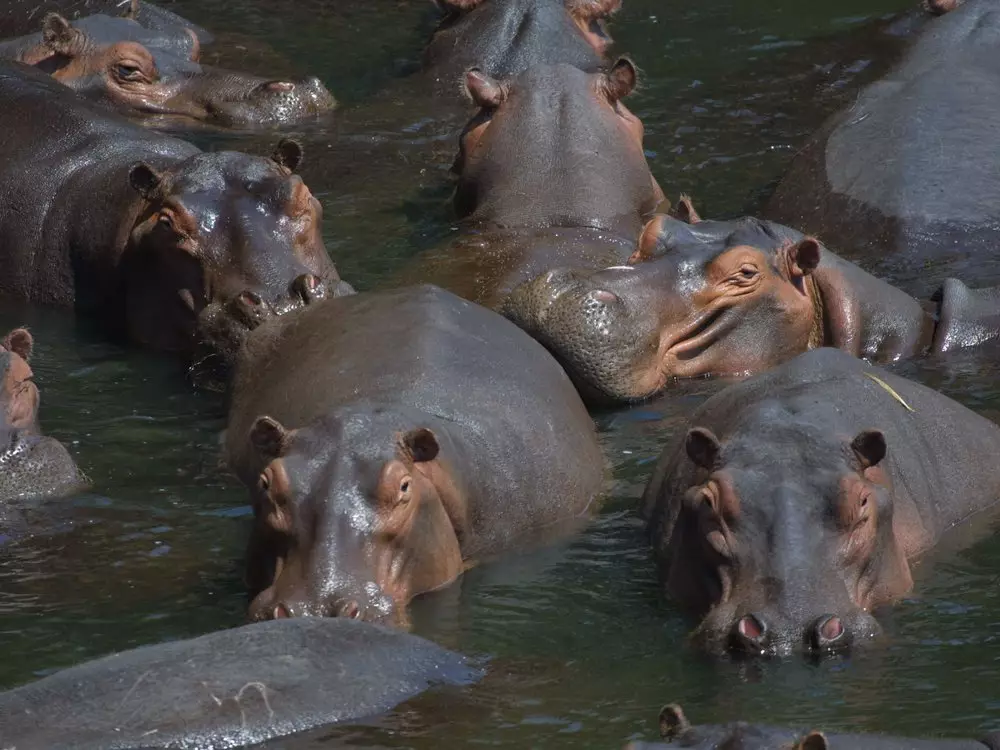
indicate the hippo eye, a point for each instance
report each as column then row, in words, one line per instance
column 747, row 271
column 127, row 71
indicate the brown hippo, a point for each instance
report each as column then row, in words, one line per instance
column 732, row 297
column 151, row 74
column 391, row 440
column 31, row 466
column 790, row 509
column 551, row 171
column 146, row 230
column 503, row 38
column 905, row 179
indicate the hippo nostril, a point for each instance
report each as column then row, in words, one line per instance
column 604, row 297
column 350, row 610
column 309, row 288
column 751, row 628
column 279, row 87
column 828, row 632
column 251, row 299
column 280, row 612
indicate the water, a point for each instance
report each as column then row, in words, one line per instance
column 584, row 649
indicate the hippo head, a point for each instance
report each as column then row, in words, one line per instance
column 355, row 515
column 18, row 393
column 213, row 229
column 147, row 73
column 708, row 298
column 793, row 556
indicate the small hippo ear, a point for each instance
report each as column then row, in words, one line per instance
column 131, row 10
column 59, row 35
column 804, row 256
column 703, row 447
column 20, row 342
column 813, row 741
column 270, row 438
column 649, row 240
column 288, row 154
column 144, row 180
column 485, row 91
column 869, row 446
column 457, row 6
column 621, row 79
column 421, row 444
column 673, row 722
column 685, row 210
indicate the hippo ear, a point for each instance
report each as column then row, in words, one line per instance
column 485, row 91
column 685, row 210
column 59, row 35
column 457, row 6
column 144, row 180
column 673, row 722
column 703, row 447
column 20, row 342
column 869, row 446
column 804, row 256
column 621, row 79
column 288, row 154
column 421, row 444
column 131, row 11
column 813, row 741
column 270, row 438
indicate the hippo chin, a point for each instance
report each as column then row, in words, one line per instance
column 705, row 298
column 391, row 440
column 146, row 231
column 789, row 511
column 120, row 64
column 31, row 466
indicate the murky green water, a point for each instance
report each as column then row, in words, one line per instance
column 584, row 649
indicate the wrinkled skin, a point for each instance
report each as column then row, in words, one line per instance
column 789, row 511
column 378, row 477
column 713, row 298
column 503, row 38
column 233, row 688
column 678, row 732
column 22, row 17
column 31, row 466
column 144, row 230
column 904, row 179
column 551, row 171
column 119, row 64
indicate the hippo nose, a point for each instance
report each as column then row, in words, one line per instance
column 603, row 297
column 827, row 634
column 349, row 609
column 308, row 288
column 750, row 634
column 558, row 277
column 278, row 87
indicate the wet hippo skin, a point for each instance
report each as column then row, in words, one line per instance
column 391, row 440
column 21, row 17
column 228, row 689
column 144, row 230
column 551, row 171
column 155, row 75
column 905, row 180
column 706, row 298
column 32, row 466
column 790, row 509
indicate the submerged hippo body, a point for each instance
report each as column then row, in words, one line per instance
column 790, row 509
column 551, row 171
column 228, row 689
column 143, row 229
column 32, row 466
column 503, row 38
column 155, row 75
column 390, row 440
column 732, row 297
column 905, row 180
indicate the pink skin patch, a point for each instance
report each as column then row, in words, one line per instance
column 832, row 629
column 750, row 627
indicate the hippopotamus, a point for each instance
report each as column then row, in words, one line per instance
column 155, row 74
column 20, row 17
column 903, row 180
column 145, row 230
column 550, row 171
column 790, row 509
column 389, row 441
column 702, row 298
column 230, row 688
column 503, row 38
column 32, row 466
column 678, row 732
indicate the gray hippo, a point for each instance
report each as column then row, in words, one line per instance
column 391, row 440
column 707, row 298
column 791, row 508
column 905, row 179
column 228, row 689
column 677, row 731
column 20, row 17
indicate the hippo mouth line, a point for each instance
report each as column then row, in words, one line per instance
column 698, row 334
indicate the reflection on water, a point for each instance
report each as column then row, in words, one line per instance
column 583, row 648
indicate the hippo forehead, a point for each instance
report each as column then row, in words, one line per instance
column 107, row 30
column 708, row 239
column 219, row 173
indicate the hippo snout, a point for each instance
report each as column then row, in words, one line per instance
column 367, row 603
column 759, row 633
column 309, row 94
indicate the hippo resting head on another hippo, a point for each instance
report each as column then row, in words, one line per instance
column 155, row 74
column 789, row 510
column 31, row 466
column 506, row 37
column 731, row 297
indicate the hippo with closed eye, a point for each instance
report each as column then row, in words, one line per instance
column 417, row 434
column 791, row 508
